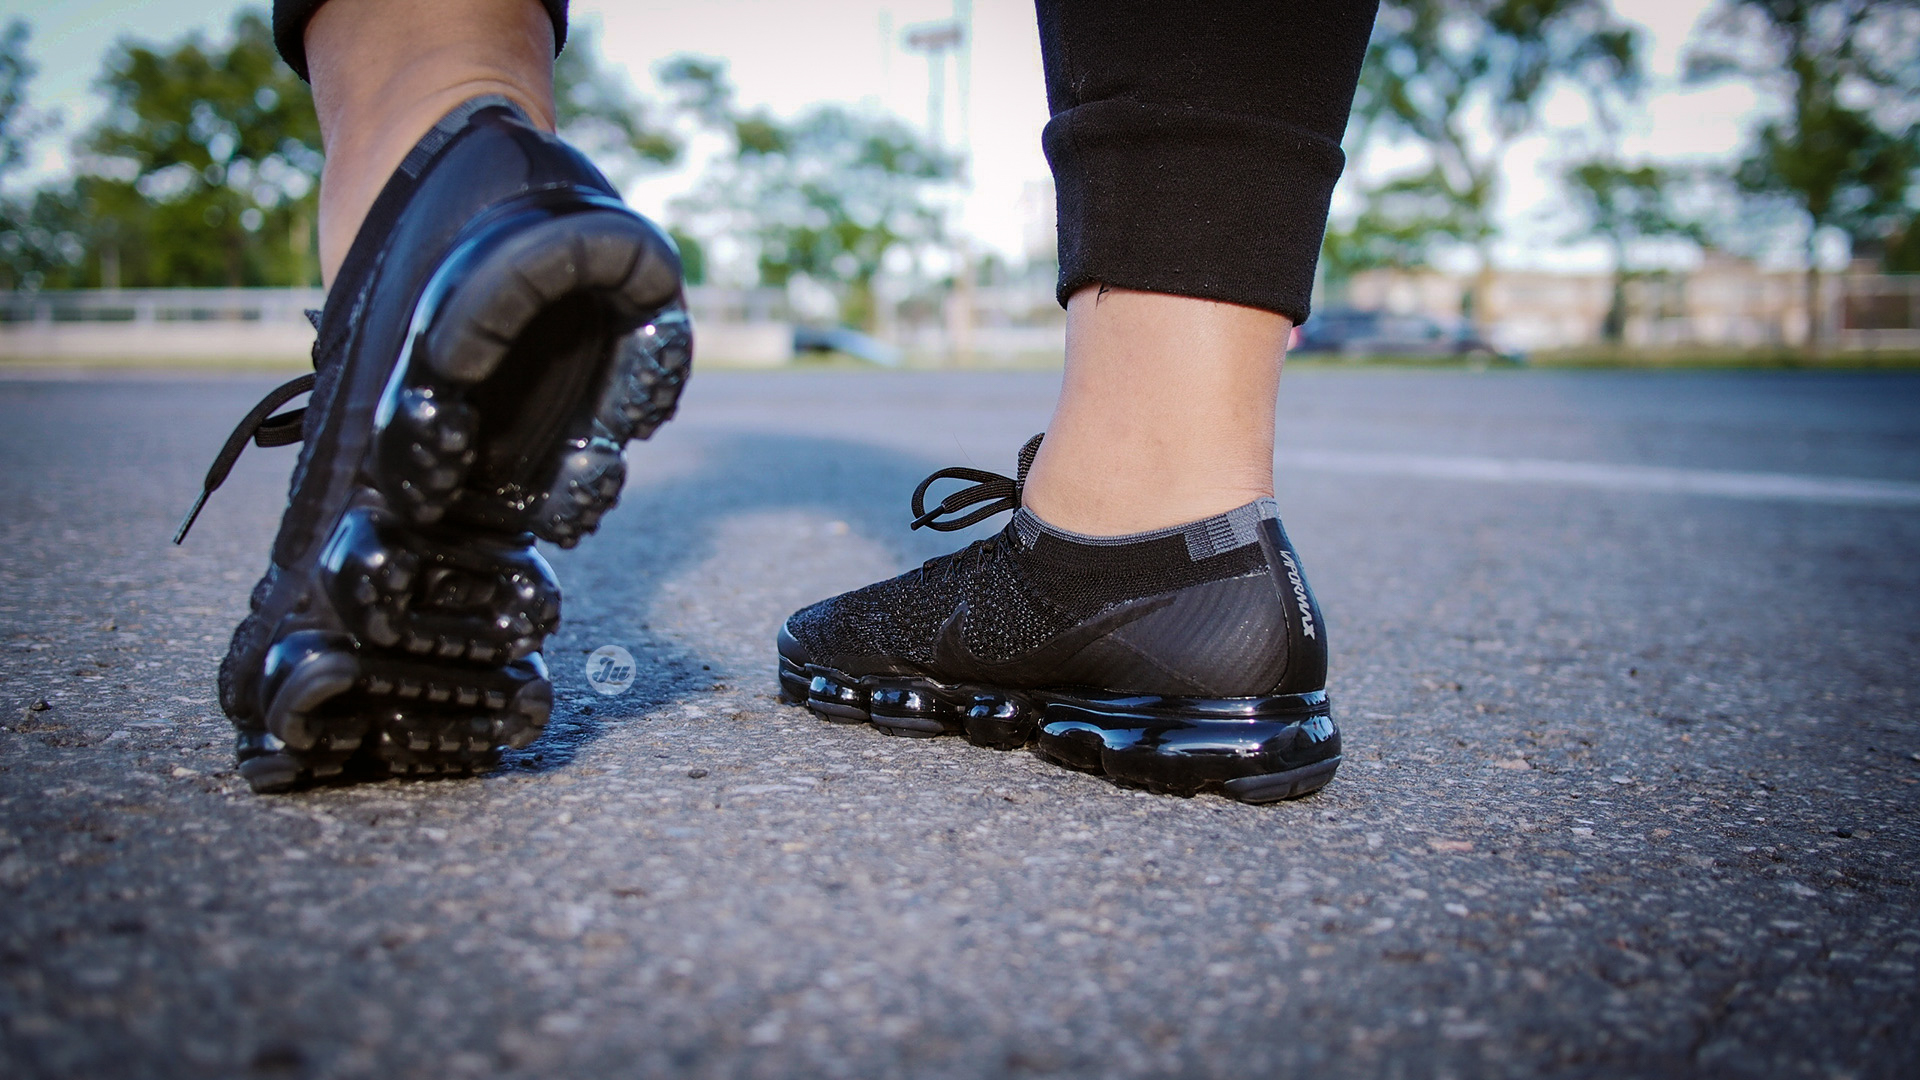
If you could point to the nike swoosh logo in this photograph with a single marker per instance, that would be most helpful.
(954, 661)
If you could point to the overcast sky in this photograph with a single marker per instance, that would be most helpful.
(787, 54)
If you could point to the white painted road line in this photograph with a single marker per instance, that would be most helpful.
(1640, 478)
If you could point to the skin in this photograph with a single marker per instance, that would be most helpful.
(385, 71)
(1166, 412)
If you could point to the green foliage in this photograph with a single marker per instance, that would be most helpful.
(34, 237)
(1463, 79)
(1398, 227)
(1842, 148)
(19, 125)
(827, 196)
(1623, 206)
(42, 239)
(693, 257)
(1838, 166)
(203, 170)
(699, 87)
(599, 112)
(1902, 255)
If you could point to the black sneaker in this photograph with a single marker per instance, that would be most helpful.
(501, 327)
(1186, 659)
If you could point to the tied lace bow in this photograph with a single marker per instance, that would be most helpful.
(998, 492)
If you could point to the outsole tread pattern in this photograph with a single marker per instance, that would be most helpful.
(435, 668)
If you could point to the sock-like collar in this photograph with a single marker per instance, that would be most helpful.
(1205, 538)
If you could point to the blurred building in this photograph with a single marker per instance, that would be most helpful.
(1725, 302)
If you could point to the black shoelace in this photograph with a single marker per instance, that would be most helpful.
(967, 561)
(262, 427)
(998, 492)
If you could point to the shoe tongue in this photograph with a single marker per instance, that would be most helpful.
(1027, 454)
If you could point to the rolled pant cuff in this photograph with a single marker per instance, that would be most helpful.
(1213, 205)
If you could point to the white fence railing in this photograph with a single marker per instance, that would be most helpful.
(150, 306)
(750, 326)
(158, 325)
(146, 307)
(738, 326)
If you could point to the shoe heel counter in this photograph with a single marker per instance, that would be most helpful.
(1306, 630)
(1257, 634)
(1226, 638)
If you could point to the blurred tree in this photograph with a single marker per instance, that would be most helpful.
(1397, 227)
(826, 197)
(1624, 206)
(693, 257)
(1464, 79)
(32, 246)
(599, 112)
(42, 239)
(1842, 146)
(1902, 255)
(19, 124)
(204, 169)
(699, 87)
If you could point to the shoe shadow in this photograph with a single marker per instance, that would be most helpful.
(619, 585)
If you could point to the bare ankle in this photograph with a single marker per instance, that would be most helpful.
(1166, 413)
(385, 71)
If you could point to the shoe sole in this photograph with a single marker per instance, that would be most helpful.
(1255, 750)
(481, 442)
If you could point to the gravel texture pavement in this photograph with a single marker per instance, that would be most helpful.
(1630, 789)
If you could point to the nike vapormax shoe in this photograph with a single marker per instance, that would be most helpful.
(1184, 659)
(501, 327)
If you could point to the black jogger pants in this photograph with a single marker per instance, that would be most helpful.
(1194, 144)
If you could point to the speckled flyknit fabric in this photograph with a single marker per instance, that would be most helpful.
(1027, 585)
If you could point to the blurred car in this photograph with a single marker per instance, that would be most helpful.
(1365, 332)
(844, 339)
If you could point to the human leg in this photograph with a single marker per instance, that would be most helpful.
(385, 71)
(1144, 614)
(497, 329)
(1165, 415)
(1194, 150)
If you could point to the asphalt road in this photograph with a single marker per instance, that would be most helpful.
(1625, 666)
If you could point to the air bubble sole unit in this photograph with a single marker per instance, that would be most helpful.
(552, 333)
(1252, 749)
